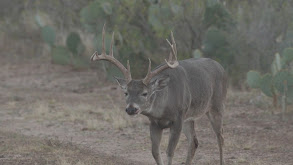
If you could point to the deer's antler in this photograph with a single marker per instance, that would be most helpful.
(171, 63)
(110, 57)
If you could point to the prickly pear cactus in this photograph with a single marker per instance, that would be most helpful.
(74, 43)
(197, 53)
(287, 56)
(92, 12)
(281, 78)
(266, 84)
(48, 35)
(107, 7)
(253, 79)
(276, 65)
(39, 21)
(279, 84)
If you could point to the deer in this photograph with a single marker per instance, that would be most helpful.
(173, 96)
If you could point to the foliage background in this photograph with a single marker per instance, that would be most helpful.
(241, 35)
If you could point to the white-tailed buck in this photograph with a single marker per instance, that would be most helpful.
(173, 96)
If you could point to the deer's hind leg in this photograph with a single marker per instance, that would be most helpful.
(215, 116)
(188, 130)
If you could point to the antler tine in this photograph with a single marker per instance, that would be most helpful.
(150, 67)
(174, 48)
(171, 63)
(149, 75)
(170, 56)
(128, 73)
(103, 41)
(93, 56)
(111, 47)
(111, 58)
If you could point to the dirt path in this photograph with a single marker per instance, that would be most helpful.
(53, 102)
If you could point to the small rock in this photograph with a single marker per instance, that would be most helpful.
(246, 148)
(85, 129)
(268, 128)
(49, 125)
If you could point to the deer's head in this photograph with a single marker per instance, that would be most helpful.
(139, 93)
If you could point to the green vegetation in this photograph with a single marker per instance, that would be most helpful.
(279, 83)
(253, 79)
(74, 44)
(48, 35)
(241, 35)
(70, 55)
(150, 22)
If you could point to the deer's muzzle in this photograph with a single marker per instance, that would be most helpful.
(132, 109)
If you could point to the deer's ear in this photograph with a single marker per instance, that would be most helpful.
(160, 83)
(122, 82)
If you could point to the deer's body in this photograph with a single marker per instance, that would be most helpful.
(173, 96)
(197, 87)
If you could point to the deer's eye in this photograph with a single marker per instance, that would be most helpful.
(144, 94)
(126, 94)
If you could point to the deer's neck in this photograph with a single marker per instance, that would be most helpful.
(158, 103)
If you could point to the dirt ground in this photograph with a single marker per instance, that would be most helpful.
(53, 114)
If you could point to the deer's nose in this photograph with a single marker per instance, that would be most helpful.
(131, 110)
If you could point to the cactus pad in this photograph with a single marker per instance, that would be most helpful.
(48, 35)
(74, 44)
(280, 78)
(266, 84)
(253, 79)
(287, 56)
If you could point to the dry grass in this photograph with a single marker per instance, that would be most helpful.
(257, 99)
(115, 116)
(15, 148)
(254, 97)
(90, 116)
(245, 161)
(246, 144)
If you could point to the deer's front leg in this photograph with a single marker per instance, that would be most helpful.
(175, 131)
(156, 136)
